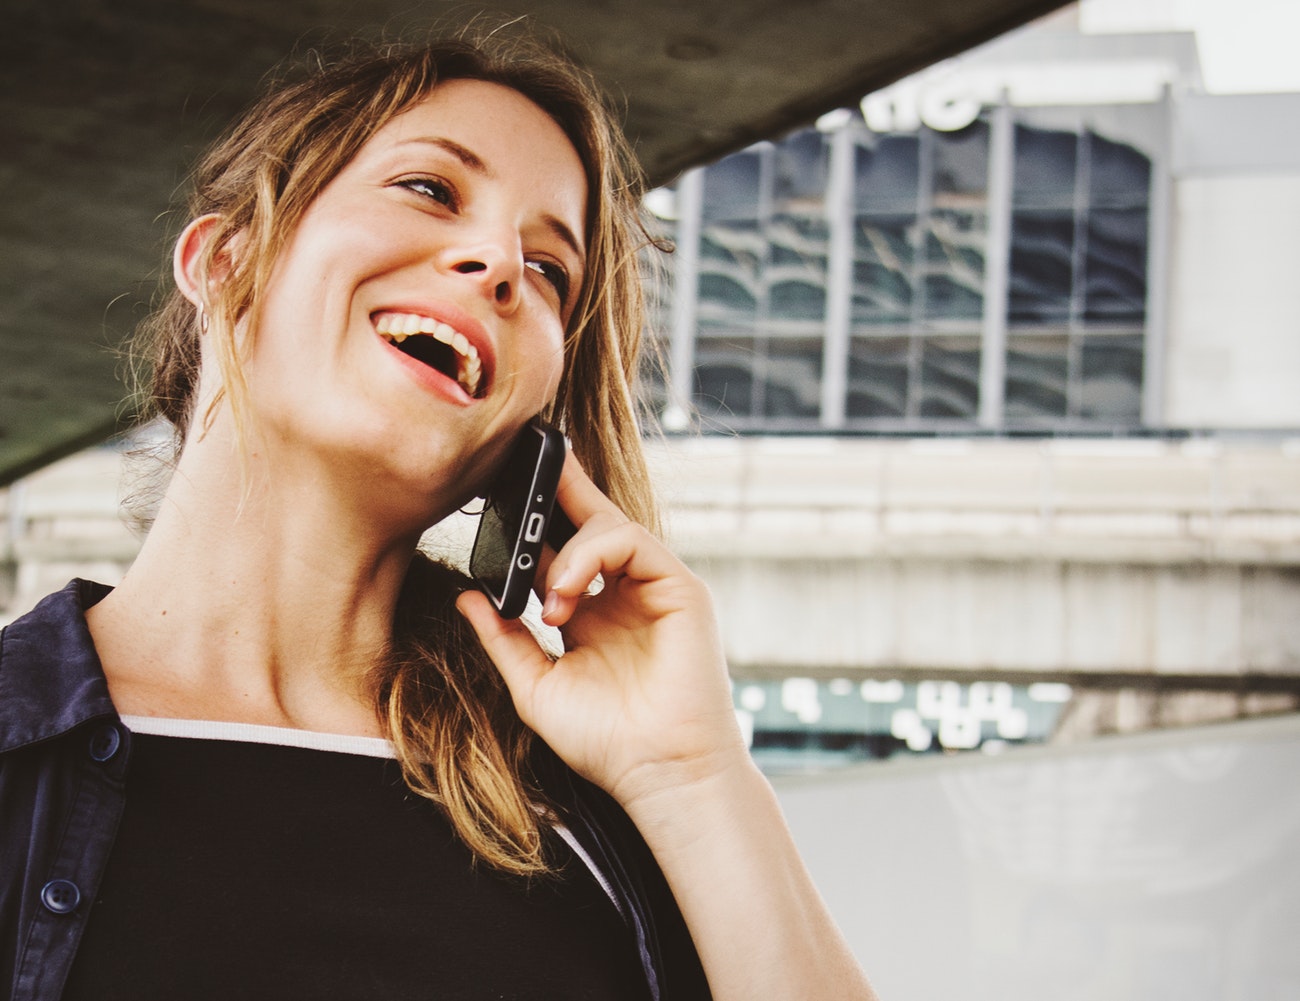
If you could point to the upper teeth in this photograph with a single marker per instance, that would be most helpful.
(397, 327)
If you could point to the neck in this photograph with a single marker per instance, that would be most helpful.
(261, 595)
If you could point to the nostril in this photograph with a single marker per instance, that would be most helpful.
(470, 267)
(503, 291)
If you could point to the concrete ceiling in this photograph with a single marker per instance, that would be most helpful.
(104, 105)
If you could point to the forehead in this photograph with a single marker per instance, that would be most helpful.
(513, 140)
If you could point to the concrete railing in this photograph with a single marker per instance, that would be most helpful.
(1145, 501)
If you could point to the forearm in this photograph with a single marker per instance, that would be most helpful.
(758, 922)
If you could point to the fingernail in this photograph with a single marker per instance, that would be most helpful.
(551, 604)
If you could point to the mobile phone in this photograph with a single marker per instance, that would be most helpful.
(520, 514)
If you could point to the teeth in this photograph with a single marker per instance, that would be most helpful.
(397, 327)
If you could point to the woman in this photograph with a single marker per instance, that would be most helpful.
(390, 268)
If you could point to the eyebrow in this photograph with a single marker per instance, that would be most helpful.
(472, 161)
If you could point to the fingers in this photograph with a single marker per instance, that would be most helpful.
(511, 646)
(607, 544)
(580, 498)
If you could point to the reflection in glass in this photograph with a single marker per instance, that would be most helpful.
(887, 174)
(954, 285)
(1076, 282)
(732, 187)
(1037, 371)
(882, 269)
(1115, 286)
(950, 377)
(1118, 174)
(739, 376)
(877, 377)
(724, 377)
(1111, 377)
(1042, 248)
(794, 374)
(796, 270)
(800, 164)
(1046, 162)
(961, 161)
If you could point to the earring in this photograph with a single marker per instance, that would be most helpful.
(203, 320)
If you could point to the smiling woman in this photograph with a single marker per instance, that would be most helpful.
(392, 266)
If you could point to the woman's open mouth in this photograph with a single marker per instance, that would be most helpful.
(436, 344)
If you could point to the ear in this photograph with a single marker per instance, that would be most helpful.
(189, 253)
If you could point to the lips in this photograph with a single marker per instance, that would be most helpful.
(437, 344)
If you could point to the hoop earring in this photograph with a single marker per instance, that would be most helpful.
(482, 507)
(203, 321)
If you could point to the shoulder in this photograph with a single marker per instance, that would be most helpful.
(50, 676)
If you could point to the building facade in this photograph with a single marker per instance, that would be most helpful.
(1059, 233)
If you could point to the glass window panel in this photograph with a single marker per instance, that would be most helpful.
(740, 243)
(796, 271)
(724, 295)
(882, 269)
(886, 174)
(950, 377)
(1118, 174)
(797, 299)
(732, 187)
(954, 246)
(794, 374)
(731, 256)
(1111, 378)
(1115, 287)
(1042, 247)
(953, 297)
(800, 167)
(1046, 162)
(725, 376)
(877, 377)
(1037, 373)
(961, 162)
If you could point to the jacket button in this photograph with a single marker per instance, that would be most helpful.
(60, 896)
(104, 742)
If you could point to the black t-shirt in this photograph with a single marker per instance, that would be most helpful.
(249, 870)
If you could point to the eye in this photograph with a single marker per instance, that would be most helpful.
(431, 188)
(553, 273)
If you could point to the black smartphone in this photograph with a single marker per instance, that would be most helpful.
(520, 514)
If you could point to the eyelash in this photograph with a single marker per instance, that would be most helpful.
(426, 187)
(553, 273)
(439, 191)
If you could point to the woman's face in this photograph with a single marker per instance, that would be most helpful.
(415, 319)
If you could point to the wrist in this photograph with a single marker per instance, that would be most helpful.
(681, 801)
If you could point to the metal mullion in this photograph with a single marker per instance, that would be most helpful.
(924, 207)
(840, 250)
(762, 310)
(997, 266)
(686, 292)
(1078, 274)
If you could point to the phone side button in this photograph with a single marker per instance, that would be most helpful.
(525, 561)
(533, 530)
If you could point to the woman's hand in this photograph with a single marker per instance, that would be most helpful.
(639, 702)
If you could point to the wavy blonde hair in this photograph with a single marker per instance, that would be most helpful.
(458, 738)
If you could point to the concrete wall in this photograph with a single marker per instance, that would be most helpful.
(1074, 557)
(1233, 351)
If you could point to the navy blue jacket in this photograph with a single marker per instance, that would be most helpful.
(64, 764)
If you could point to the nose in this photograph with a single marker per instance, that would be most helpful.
(501, 289)
(495, 264)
